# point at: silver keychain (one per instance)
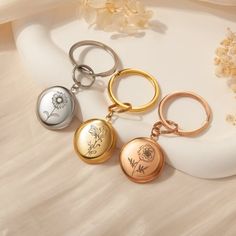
(56, 105)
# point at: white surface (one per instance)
(179, 52)
(45, 190)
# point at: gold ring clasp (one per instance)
(130, 71)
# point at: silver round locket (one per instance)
(55, 107)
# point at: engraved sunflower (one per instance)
(146, 153)
(59, 100)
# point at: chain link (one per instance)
(85, 71)
(115, 108)
(157, 129)
(75, 88)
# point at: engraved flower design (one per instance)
(98, 134)
(146, 153)
(59, 101)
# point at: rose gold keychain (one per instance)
(142, 158)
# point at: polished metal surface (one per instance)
(100, 45)
(83, 71)
(55, 107)
(94, 141)
(128, 72)
(142, 160)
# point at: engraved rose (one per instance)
(146, 153)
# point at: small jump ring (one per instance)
(133, 72)
(89, 73)
(116, 108)
(100, 45)
(170, 126)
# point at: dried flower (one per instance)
(225, 59)
(231, 119)
(225, 62)
(124, 16)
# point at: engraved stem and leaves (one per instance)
(59, 100)
(98, 134)
(146, 153)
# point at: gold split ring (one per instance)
(126, 72)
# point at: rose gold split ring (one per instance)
(170, 126)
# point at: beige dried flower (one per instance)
(231, 119)
(124, 16)
(225, 62)
(225, 59)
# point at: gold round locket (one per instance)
(94, 141)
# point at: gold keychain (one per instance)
(142, 159)
(95, 139)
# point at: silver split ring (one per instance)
(100, 45)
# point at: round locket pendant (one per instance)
(94, 141)
(142, 160)
(55, 107)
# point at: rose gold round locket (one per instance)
(142, 159)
